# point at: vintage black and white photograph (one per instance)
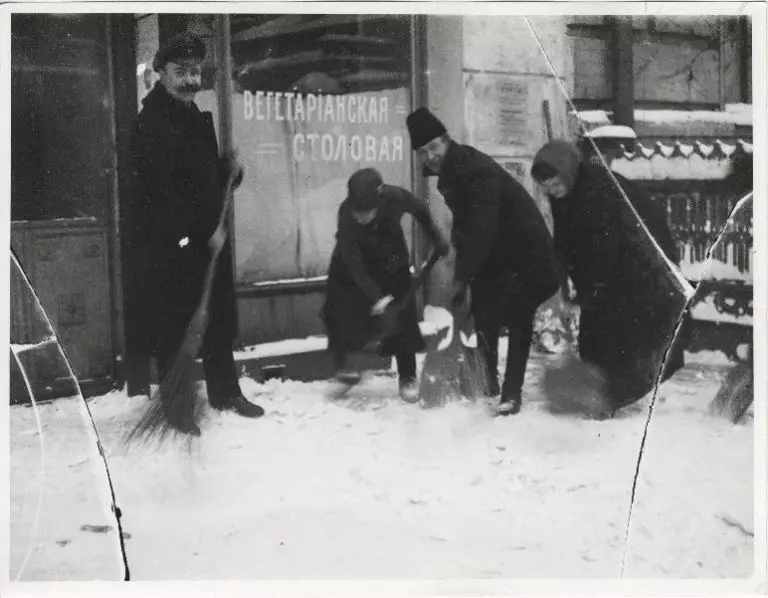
(324, 292)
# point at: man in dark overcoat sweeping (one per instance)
(370, 274)
(630, 304)
(504, 251)
(170, 227)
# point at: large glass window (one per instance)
(316, 98)
(61, 163)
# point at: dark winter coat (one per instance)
(629, 305)
(503, 247)
(175, 197)
(654, 216)
(369, 262)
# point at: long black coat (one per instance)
(369, 262)
(175, 197)
(629, 305)
(503, 247)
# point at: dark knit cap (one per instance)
(182, 46)
(423, 127)
(362, 188)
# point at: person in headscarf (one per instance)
(629, 299)
(370, 272)
(504, 253)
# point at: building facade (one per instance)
(315, 97)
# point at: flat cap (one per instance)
(182, 46)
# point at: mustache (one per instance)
(189, 88)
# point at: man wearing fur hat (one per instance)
(370, 272)
(504, 252)
(170, 226)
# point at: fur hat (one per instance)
(423, 127)
(182, 46)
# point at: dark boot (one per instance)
(223, 387)
(510, 404)
(518, 348)
(239, 404)
(406, 370)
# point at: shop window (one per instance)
(60, 117)
(316, 98)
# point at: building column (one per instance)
(623, 71)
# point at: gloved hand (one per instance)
(217, 239)
(231, 165)
(442, 246)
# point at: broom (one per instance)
(388, 324)
(455, 369)
(572, 386)
(174, 406)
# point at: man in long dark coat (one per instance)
(370, 274)
(630, 304)
(504, 250)
(170, 227)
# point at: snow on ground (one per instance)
(369, 487)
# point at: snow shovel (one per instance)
(454, 368)
(386, 325)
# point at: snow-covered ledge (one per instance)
(310, 344)
(734, 115)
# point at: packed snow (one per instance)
(368, 487)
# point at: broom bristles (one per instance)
(174, 407)
(573, 387)
(450, 375)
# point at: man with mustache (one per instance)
(170, 227)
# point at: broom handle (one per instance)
(415, 285)
(208, 284)
(418, 280)
(422, 276)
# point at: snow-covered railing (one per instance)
(735, 121)
(680, 161)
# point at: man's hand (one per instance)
(442, 246)
(566, 300)
(233, 167)
(381, 305)
(217, 240)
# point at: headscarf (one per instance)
(562, 156)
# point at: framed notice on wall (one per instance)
(512, 113)
(498, 112)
